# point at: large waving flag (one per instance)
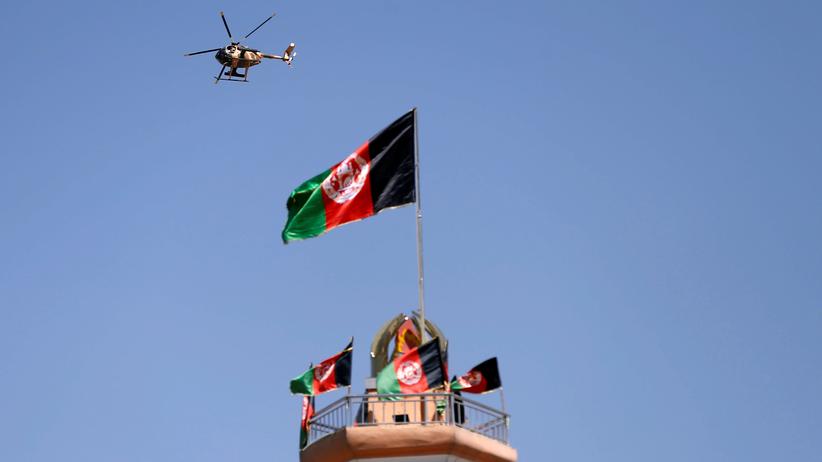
(378, 175)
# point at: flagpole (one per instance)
(502, 399)
(418, 202)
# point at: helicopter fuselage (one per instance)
(238, 57)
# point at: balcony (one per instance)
(438, 425)
(424, 409)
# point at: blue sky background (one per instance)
(622, 202)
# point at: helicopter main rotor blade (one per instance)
(225, 23)
(261, 25)
(201, 52)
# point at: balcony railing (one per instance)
(411, 409)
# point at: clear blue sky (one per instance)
(622, 202)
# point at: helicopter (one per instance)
(236, 56)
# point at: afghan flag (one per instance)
(378, 175)
(417, 371)
(305, 421)
(484, 377)
(333, 373)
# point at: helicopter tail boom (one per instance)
(287, 57)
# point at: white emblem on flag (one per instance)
(322, 371)
(346, 181)
(409, 372)
(470, 379)
(474, 378)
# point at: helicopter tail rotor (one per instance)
(289, 53)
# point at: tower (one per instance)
(435, 426)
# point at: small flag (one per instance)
(378, 175)
(484, 377)
(305, 421)
(333, 373)
(417, 371)
(407, 338)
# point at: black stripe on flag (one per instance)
(431, 360)
(392, 164)
(342, 367)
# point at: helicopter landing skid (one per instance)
(230, 74)
(230, 80)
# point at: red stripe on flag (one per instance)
(325, 375)
(347, 190)
(410, 373)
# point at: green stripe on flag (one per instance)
(387, 383)
(306, 211)
(304, 384)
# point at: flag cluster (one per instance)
(415, 369)
(330, 374)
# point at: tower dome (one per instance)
(381, 351)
